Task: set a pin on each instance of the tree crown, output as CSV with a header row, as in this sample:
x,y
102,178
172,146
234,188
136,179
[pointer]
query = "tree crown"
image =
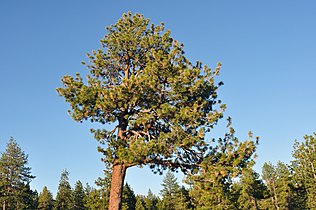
x,y
161,103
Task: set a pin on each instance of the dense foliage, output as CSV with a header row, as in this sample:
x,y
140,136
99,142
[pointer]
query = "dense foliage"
x,y
229,182
15,177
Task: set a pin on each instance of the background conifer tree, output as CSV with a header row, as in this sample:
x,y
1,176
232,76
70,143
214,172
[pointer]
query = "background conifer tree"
x,y
45,200
15,176
128,198
150,201
280,185
79,196
29,198
304,168
251,191
93,199
139,204
211,187
64,198
104,184
170,191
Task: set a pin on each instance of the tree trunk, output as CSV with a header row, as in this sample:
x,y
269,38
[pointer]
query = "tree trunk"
x,y
118,176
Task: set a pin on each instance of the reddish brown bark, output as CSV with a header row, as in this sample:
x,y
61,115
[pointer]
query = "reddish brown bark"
x,y
118,176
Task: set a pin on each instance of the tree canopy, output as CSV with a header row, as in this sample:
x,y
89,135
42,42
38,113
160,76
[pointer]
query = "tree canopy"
x,y
140,80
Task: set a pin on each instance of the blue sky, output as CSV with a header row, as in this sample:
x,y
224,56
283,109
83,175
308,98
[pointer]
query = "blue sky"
x,y
267,49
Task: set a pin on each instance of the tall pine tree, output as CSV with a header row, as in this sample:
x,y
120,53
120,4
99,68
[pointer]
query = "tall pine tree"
x,y
160,102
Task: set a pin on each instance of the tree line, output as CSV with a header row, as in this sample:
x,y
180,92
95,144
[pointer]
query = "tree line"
x,y
280,186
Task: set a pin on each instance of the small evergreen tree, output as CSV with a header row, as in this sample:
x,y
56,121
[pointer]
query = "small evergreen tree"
x,y
278,181
170,191
184,200
64,198
93,199
139,204
150,201
15,176
79,196
251,191
28,197
304,168
45,200
128,198
104,185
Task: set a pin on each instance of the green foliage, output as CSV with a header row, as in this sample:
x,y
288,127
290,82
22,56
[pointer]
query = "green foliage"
x,y
93,199
251,190
128,198
65,197
278,181
304,168
173,196
151,201
170,191
139,204
104,185
79,196
45,200
15,177
161,103
211,187
184,202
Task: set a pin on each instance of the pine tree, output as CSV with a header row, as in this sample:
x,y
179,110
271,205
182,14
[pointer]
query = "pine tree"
x,y
15,176
251,191
211,187
160,204
29,198
128,198
104,185
278,181
64,198
150,201
161,103
184,202
93,199
79,196
170,191
139,204
304,168
45,200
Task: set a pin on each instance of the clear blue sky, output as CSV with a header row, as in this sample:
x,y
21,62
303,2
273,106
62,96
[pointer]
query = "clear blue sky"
x,y
268,51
